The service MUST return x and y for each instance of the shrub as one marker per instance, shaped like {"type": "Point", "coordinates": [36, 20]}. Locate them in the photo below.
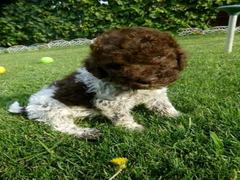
{"type": "Point", "coordinates": [35, 21]}
{"type": "Point", "coordinates": [27, 23]}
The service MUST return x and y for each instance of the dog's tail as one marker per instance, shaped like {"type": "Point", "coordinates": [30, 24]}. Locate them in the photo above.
{"type": "Point", "coordinates": [16, 108]}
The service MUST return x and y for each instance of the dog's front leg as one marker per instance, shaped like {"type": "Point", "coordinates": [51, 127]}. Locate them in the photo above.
{"type": "Point", "coordinates": [159, 102]}
{"type": "Point", "coordinates": [119, 112]}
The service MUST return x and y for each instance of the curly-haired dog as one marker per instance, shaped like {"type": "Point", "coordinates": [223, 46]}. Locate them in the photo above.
{"type": "Point", "coordinates": [126, 67]}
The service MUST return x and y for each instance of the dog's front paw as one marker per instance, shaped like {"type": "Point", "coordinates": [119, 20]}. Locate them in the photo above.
{"type": "Point", "coordinates": [131, 125]}
{"type": "Point", "coordinates": [90, 133]}
{"type": "Point", "coordinates": [173, 113]}
{"type": "Point", "coordinates": [167, 111]}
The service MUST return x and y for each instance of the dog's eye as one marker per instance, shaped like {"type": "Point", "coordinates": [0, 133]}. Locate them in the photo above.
{"type": "Point", "coordinates": [114, 66]}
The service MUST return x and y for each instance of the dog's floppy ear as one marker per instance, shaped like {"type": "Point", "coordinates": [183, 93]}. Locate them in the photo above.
{"type": "Point", "coordinates": [181, 59]}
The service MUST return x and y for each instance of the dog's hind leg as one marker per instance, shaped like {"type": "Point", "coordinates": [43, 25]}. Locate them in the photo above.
{"type": "Point", "coordinates": [42, 107]}
{"type": "Point", "coordinates": [70, 128]}
{"type": "Point", "coordinates": [61, 119]}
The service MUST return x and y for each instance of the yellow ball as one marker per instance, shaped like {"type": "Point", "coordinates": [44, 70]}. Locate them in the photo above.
{"type": "Point", "coordinates": [2, 70]}
{"type": "Point", "coordinates": [46, 60]}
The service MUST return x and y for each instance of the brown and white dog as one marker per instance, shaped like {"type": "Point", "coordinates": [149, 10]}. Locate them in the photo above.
{"type": "Point", "coordinates": [126, 67]}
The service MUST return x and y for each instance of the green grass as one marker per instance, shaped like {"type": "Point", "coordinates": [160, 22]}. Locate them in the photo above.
{"type": "Point", "coordinates": [204, 143]}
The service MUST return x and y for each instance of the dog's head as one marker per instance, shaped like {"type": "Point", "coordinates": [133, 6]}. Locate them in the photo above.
{"type": "Point", "coordinates": [139, 58]}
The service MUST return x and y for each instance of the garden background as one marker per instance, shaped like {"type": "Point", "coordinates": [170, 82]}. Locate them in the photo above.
{"type": "Point", "coordinates": [27, 22]}
{"type": "Point", "coordinates": [203, 143]}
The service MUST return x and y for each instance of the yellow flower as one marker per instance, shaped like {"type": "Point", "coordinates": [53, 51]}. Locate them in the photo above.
{"type": "Point", "coordinates": [120, 161]}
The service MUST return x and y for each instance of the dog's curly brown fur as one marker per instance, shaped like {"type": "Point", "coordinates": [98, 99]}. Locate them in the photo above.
{"type": "Point", "coordinates": [138, 57]}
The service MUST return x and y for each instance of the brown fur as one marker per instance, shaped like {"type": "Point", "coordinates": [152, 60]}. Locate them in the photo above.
{"type": "Point", "coordinates": [73, 93]}
{"type": "Point", "coordinates": [138, 57]}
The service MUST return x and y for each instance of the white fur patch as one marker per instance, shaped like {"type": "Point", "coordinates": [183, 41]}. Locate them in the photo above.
{"type": "Point", "coordinates": [103, 90]}
{"type": "Point", "coordinates": [15, 108]}
{"type": "Point", "coordinates": [42, 102]}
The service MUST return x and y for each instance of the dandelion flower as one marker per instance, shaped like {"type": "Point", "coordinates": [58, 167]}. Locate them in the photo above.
{"type": "Point", "coordinates": [120, 162]}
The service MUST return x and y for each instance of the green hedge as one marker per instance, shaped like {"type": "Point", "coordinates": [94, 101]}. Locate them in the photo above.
{"type": "Point", "coordinates": [27, 22]}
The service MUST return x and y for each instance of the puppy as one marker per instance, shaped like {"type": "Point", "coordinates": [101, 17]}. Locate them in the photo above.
{"type": "Point", "coordinates": [126, 67]}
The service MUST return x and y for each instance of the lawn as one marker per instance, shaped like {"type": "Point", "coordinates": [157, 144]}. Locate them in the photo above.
{"type": "Point", "coordinates": [204, 143]}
